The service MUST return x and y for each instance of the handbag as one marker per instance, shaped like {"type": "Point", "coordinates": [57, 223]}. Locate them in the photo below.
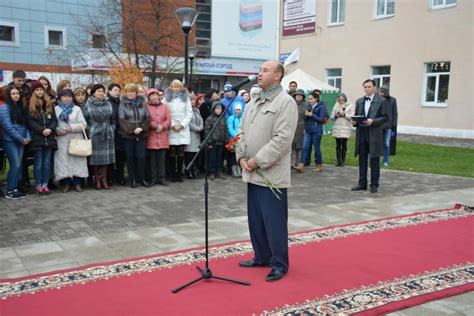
{"type": "Point", "coordinates": [80, 147]}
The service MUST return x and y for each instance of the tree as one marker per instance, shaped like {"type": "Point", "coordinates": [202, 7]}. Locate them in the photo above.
{"type": "Point", "coordinates": [125, 73]}
{"type": "Point", "coordinates": [144, 33]}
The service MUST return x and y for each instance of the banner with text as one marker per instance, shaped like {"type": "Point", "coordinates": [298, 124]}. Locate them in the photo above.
{"type": "Point", "coordinates": [299, 17]}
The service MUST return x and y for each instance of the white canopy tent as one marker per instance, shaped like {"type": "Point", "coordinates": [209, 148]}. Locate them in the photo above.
{"type": "Point", "coordinates": [306, 81]}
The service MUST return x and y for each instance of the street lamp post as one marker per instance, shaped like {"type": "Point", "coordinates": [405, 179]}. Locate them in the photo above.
{"type": "Point", "coordinates": [186, 17]}
{"type": "Point", "coordinates": [192, 54]}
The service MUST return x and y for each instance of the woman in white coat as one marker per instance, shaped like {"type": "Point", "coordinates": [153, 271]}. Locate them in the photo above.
{"type": "Point", "coordinates": [67, 168]}
{"type": "Point", "coordinates": [179, 105]}
{"type": "Point", "coordinates": [342, 129]}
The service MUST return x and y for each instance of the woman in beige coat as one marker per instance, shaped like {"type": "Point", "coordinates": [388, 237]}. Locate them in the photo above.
{"type": "Point", "coordinates": [69, 169]}
{"type": "Point", "coordinates": [342, 112]}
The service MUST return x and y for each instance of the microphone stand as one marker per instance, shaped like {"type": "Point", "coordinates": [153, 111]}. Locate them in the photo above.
{"type": "Point", "coordinates": [206, 273]}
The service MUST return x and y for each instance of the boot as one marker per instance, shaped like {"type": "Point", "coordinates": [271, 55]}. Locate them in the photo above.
{"type": "Point", "coordinates": [96, 177]}
{"type": "Point", "coordinates": [338, 157]}
{"type": "Point", "coordinates": [239, 171]}
{"type": "Point", "coordinates": [319, 168]}
{"type": "Point", "coordinates": [235, 173]}
{"type": "Point", "coordinates": [220, 175]}
{"type": "Point", "coordinates": [103, 178]}
{"type": "Point", "coordinates": [173, 168]}
{"type": "Point", "coordinates": [179, 169]}
{"type": "Point", "coordinates": [195, 172]}
{"type": "Point", "coordinates": [189, 174]}
{"type": "Point", "coordinates": [300, 167]}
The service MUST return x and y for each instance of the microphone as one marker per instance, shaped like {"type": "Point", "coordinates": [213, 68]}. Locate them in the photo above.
{"type": "Point", "coordinates": [243, 82]}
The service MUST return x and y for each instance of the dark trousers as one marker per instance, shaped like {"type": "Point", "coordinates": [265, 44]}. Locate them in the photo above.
{"type": "Point", "coordinates": [157, 164]}
{"type": "Point", "coordinates": [135, 154]}
{"type": "Point", "coordinates": [268, 225]}
{"type": "Point", "coordinates": [363, 164]}
{"type": "Point", "coordinates": [215, 158]}
{"type": "Point", "coordinates": [119, 165]}
{"type": "Point", "coordinates": [341, 149]}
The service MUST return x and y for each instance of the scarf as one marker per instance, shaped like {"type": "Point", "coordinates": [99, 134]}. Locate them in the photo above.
{"type": "Point", "coordinates": [135, 103]}
{"type": "Point", "coordinates": [66, 110]}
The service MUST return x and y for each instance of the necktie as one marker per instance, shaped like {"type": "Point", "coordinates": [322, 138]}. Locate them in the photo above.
{"type": "Point", "coordinates": [367, 99]}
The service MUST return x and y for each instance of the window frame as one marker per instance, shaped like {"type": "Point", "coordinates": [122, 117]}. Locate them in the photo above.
{"type": "Point", "coordinates": [380, 77]}
{"type": "Point", "coordinates": [441, 6]}
{"type": "Point", "coordinates": [62, 29]}
{"type": "Point", "coordinates": [385, 15]}
{"type": "Point", "coordinates": [330, 23]}
{"type": "Point", "coordinates": [92, 41]}
{"type": "Point", "coordinates": [333, 78]}
{"type": "Point", "coordinates": [16, 34]}
{"type": "Point", "coordinates": [427, 74]}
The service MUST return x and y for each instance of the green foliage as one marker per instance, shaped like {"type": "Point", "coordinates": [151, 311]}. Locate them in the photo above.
{"type": "Point", "coordinates": [453, 161]}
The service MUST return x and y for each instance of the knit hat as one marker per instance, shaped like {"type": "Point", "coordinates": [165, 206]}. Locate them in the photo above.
{"type": "Point", "coordinates": [300, 92]}
{"type": "Point", "coordinates": [255, 89]}
{"type": "Point", "coordinates": [227, 87]}
{"type": "Point", "coordinates": [216, 103]}
{"type": "Point", "coordinates": [151, 91]}
{"type": "Point", "coordinates": [238, 106]}
{"type": "Point", "coordinates": [35, 84]}
{"type": "Point", "coordinates": [384, 89]}
{"type": "Point", "coordinates": [343, 95]}
{"type": "Point", "coordinates": [64, 92]}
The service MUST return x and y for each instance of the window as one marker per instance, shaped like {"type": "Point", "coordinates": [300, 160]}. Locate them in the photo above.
{"type": "Point", "coordinates": [337, 12]}
{"type": "Point", "coordinates": [441, 4]}
{"type": "Point", "coordinates": [436, 83]}
{"type": "Point", "coordinates": [9, 34]}
{"type": "Point", "coordinates": [384, 8]}
{"type": "Point", "coordinates": [381, 75]}
{"type": "Point", "coordinates": [54, 37]}
{"type": "Point", "coordinates": [334, 77]}
{"type": "Point", "coordinates": [98, 41]}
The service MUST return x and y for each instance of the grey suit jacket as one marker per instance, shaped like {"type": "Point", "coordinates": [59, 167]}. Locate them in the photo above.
{"type": "Point", "coordinates": [378, 113]}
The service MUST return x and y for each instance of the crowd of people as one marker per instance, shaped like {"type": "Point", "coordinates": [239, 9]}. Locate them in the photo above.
{"type": "Point", "coordinates": [154, 133]}
{"type": "Point", "coordinates": [313, 115]}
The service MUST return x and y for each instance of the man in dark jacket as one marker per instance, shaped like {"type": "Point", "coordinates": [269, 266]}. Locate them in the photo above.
{"type": "Point", "coordinates": [369, 135]}
{"type": "Point", "coordinates": [390, 126]}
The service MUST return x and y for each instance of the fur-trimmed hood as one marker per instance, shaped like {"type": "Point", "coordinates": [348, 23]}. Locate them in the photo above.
{"type": "Point", "coordinates": [183, 95]}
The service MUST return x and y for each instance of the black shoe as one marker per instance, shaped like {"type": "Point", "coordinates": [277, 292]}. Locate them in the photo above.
{"type": "Point", "coordinates": [163, 183]}
{"type": "Point", "coordinates": [373, 189]}
{"type": "Point", "coordinates": [358, 188]}
{"type": "Point", "coordinates": [275, 275]}
{"type": "Point", "coordinates": [145, 184]}
{"type": "Point", "coordinates": [252, 264]}
{"type": "Point", "coordinates": [133, 184]}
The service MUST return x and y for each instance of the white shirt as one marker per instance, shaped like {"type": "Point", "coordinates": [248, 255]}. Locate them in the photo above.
{"type": "Point", "coordinates": [367, 104]}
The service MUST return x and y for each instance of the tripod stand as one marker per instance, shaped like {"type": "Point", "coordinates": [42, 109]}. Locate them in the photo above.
{"type": "Point", "coordinates": [206, 273]}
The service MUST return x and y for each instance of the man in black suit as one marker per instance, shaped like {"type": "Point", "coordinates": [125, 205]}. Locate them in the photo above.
{"type": "Point", "coordinates": [369, 135]}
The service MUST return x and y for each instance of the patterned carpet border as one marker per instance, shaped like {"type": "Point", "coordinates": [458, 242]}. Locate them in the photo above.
{"type": "Point", "coordinates": [127, 268]}
{"type": "Point", "coordinates": [383, 293]}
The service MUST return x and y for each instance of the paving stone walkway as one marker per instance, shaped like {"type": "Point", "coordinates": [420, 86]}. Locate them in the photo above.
{"type": "Point", "coordinates": [40, 234]}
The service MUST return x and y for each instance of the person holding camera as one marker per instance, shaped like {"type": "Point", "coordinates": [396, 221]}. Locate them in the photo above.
{"type": "Point", "coordinates": [342, 112]}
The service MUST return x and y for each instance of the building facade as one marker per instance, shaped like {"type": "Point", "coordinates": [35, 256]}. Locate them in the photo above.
{"type": "Point", "coordinates": [421, 49]}
{"type": "Point", "coordinates": [76, 40]}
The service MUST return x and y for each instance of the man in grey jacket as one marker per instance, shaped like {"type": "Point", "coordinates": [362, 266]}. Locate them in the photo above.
{"type": "Point", "coordinates": [266, 134]}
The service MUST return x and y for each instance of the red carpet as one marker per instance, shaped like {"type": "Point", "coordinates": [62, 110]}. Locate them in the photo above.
{"type": "Point", "coordinates": [369, 268]}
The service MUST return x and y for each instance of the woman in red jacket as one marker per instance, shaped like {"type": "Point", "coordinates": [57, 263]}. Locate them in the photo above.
{"type": "Point", "coordinates": [158, 140]}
